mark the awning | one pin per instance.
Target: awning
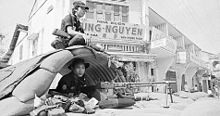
(137, 57)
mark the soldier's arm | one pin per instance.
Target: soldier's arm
(72, 32)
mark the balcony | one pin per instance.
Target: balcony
(197, 60)
(184, 57)
(162, 45)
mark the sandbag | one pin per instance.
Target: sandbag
(11, 76)
(12, 106)
(37, 83)
(116, 103)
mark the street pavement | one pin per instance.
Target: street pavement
(184, 105)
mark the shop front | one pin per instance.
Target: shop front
(165, 49)
(126, 42)
(190, 72)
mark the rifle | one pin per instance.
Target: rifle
(66, 37)
(117, 85)
(61, 33)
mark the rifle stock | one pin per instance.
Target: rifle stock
(61, 33)
(64, 35)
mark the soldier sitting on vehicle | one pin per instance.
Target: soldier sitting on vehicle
(72, 26)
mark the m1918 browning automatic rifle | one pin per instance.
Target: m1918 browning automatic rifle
(118, 85)
(115, 85)
(61, 33)
(66, 37)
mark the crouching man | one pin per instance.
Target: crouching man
(71, 24)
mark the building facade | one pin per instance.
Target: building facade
(178, 58)
(143, 41)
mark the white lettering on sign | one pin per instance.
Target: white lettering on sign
(114, 30)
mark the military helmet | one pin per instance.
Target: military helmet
(77, 4)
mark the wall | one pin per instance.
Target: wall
(163, 66)
(46, 19)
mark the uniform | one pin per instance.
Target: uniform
(69, 84)
(61, 43)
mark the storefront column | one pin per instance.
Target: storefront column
(163, 64)
(142, 71)
(180, 70)
(190, 72)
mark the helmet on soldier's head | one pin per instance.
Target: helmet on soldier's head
(77, 4)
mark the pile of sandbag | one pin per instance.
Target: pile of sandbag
(194, 96)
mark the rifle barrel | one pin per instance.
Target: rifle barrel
(121, 84)
(125, 84)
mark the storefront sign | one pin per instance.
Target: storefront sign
(159, 39)
(114, 30)
(181, 57)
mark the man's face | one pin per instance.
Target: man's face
(79, 69)
(81, 12)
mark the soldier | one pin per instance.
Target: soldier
(72, 26)
(76, 81)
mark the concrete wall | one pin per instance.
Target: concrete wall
(163, 66)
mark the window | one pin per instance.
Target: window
(107, 11)
(99, 11)
(34, 47)
(125, 13)
(152, 72)
(90, 13)
(108, 14)
(116, 13)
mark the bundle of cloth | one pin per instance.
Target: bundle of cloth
(59, 104)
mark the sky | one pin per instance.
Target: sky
(199, 20)
(13, 12)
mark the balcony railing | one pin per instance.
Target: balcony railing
(186, 57)
(197, 60)
(159, 39)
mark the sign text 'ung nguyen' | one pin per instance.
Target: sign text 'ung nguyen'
(113, 30)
